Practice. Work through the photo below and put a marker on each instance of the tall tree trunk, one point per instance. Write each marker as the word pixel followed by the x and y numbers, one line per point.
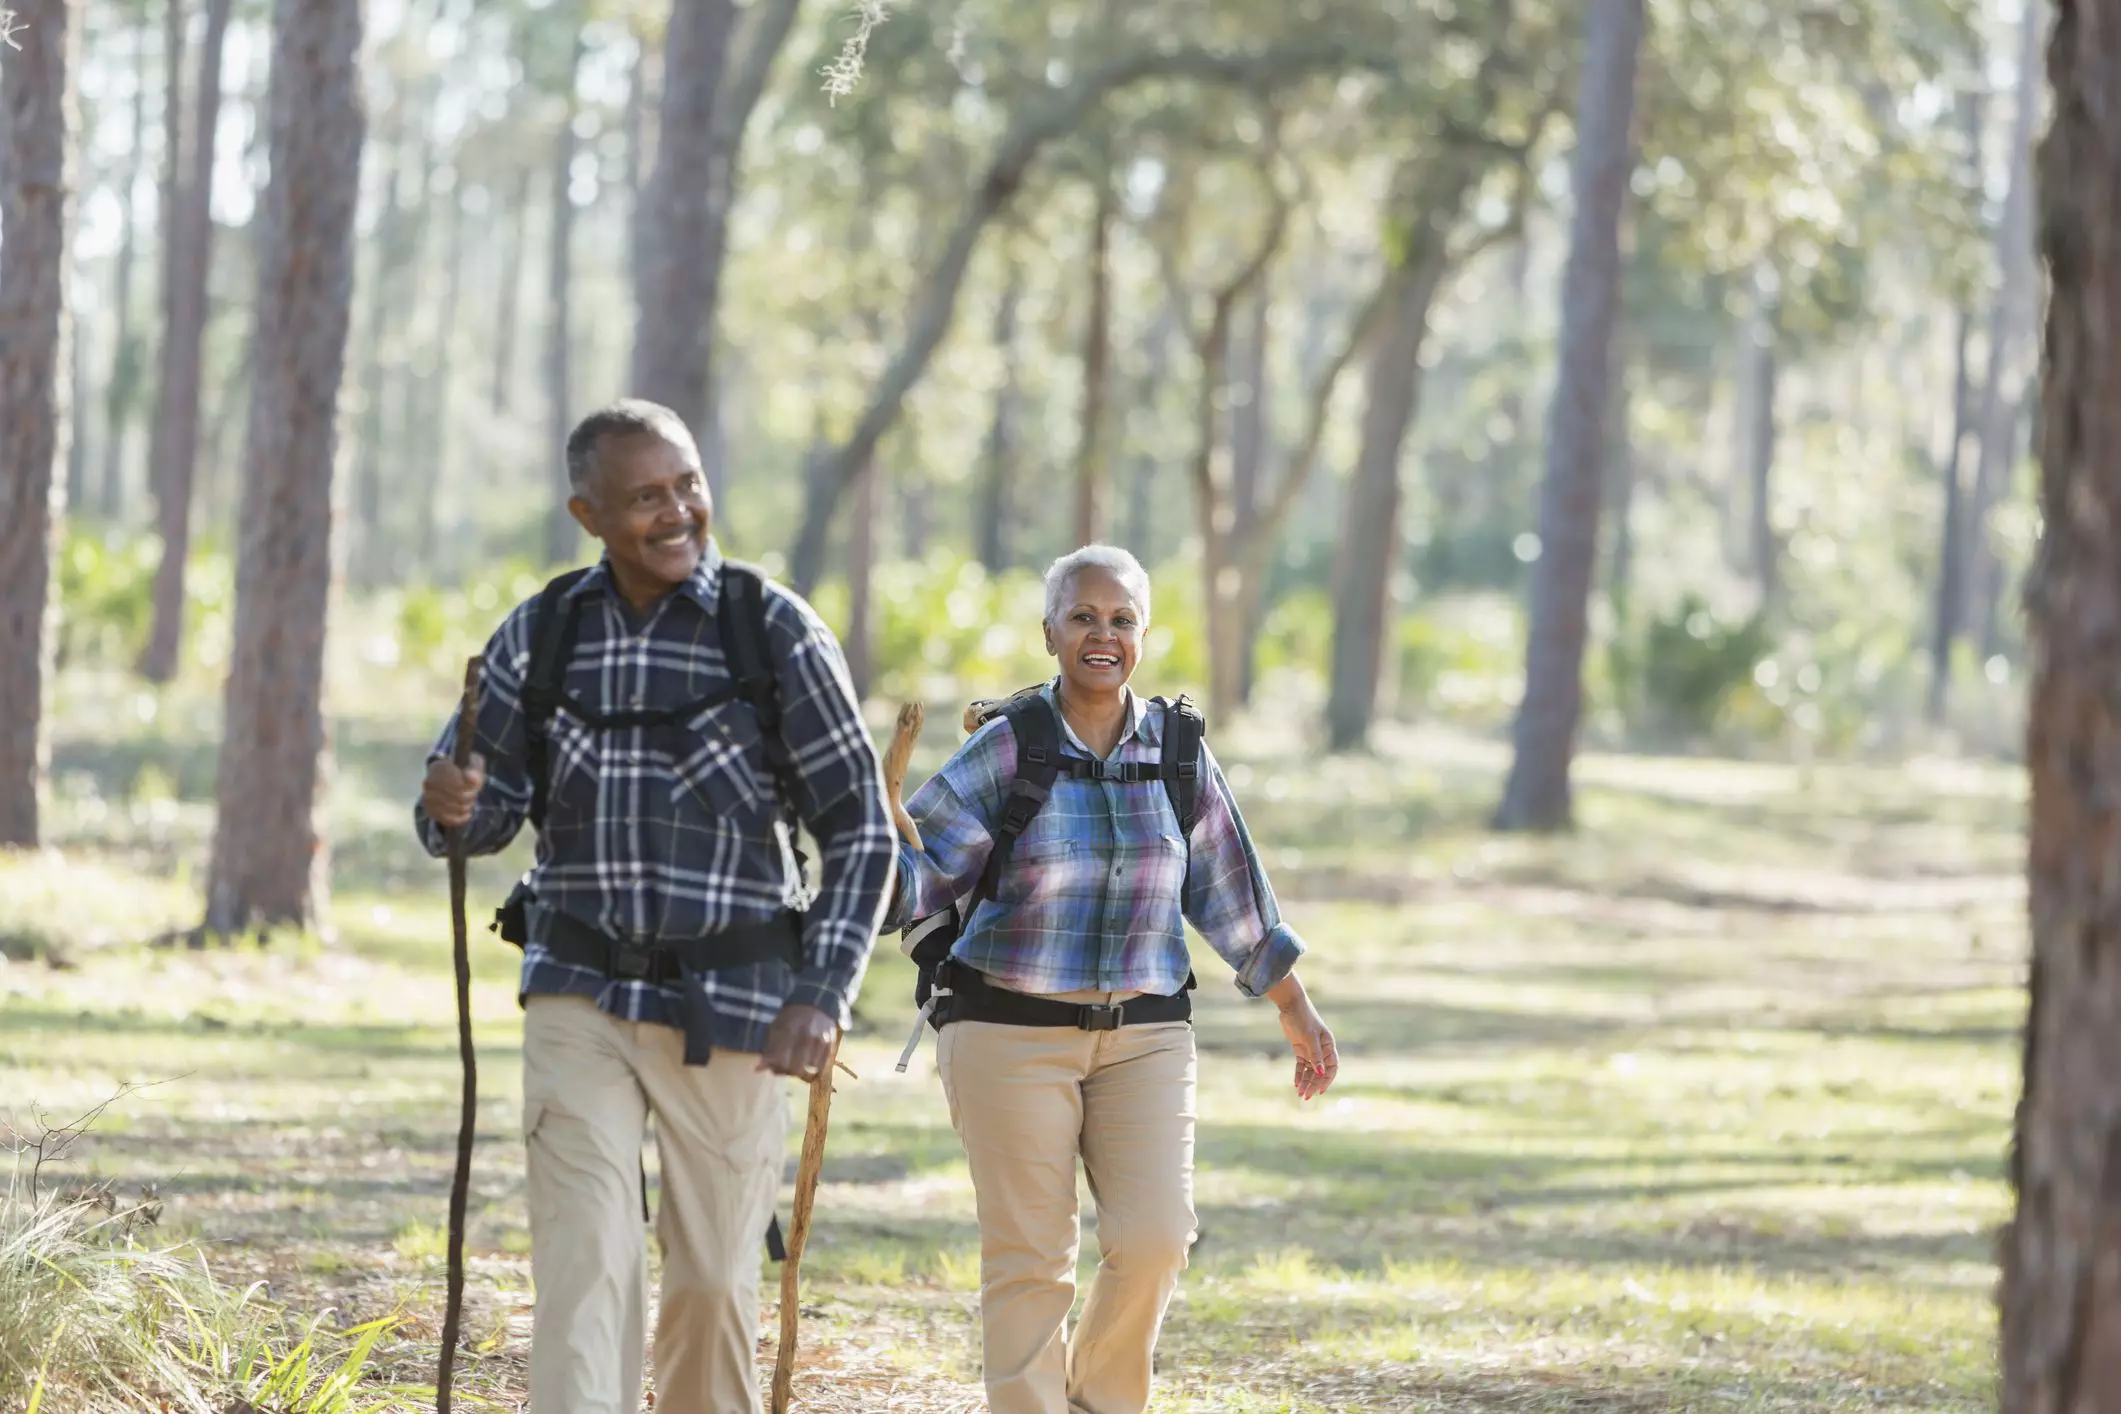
pixel 2012 320
pixel 176 441
pixel 998 455
pixel 269 856
pixel 861 582
pixel 36 177
pixel 515 237
pixel 1948 611
pixel 1620 466
pixel 678 275
pixel 1369 548
pixel 1949 607
pixel 128 358
pixel 1250 430
pixel 917 516
pixel 563 538
pixel 1756 402
pixel 1538 795
pixel 428 532
pixel 807 562
pixel 2060 1294
pixel 707 103
pixel 1090 449
pixel 367 537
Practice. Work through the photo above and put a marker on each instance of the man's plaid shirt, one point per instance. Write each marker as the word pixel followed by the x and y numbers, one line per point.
pixel 1099 883
pixel 648 848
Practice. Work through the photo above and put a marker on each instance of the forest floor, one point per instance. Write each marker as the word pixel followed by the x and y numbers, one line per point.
pixel 1703 1108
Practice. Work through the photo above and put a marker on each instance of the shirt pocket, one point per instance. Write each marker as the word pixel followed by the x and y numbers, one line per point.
pixel 718 760
pixel 571 772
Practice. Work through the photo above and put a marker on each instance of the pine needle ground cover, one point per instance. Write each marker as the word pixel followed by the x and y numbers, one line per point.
pixel 1702 1109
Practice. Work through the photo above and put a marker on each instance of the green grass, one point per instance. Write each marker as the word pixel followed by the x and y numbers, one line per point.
pixel 1702 1108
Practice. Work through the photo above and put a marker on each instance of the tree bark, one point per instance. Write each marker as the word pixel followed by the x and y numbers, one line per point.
pixel 998 455
pixel 36 179
pixel 861 582
pixel 680 242
pixel 1948 612
pixel 1620 454
pixel 269 856
pixel 1091 472
pixel 1369 548
pixel 1538 795
pixel 515 237
pixel 175 451
pixel 428 531
pixel 1250 429
pixel 563 538
pixel 128 358
pixel 1757 369
pixel 933 303
pixel 2012 320
pixel 2060 1293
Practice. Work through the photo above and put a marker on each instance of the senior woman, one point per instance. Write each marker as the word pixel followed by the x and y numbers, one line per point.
pixel 1064 1038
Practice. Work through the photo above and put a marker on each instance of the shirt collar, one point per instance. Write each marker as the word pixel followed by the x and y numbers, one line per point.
pixel 703 586
pixel 1139 720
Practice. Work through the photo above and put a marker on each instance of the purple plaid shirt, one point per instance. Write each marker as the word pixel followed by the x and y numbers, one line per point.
pixel 1101 885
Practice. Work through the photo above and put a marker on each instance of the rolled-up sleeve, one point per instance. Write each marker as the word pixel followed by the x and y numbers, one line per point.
pixel 504 803
pixel 839 792
pixel 1227 896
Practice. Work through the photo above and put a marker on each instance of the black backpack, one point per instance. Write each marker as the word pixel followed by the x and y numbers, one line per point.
pixel 740 619
pixel 1039 763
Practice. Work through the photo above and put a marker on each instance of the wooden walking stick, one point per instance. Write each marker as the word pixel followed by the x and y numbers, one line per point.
pixel 812 1164
pixel 467 1123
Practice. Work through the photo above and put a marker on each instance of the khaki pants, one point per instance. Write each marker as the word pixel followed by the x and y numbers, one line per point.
pixel 590 1082
pixel 1028 1101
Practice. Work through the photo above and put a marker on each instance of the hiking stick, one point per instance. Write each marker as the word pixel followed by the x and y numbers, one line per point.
pixel 467 1123
pixel 812 1164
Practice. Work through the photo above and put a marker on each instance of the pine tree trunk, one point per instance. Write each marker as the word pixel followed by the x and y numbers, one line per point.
pixel 1250 433
pixel 1538 795
pixel 1369 547
pixel 2012 321
pixel 861 581
pixel 269 856
pixel 998 455
pixel 515 237
pixel 429 531
pixel 122 393
pixel 36 177
pixel 366 536
pixel 2060 1295
pixel 1757 360
pixel 1620 465
pixel 176 440
pixel 1090 448
pixel 679 256
pixel 1949 605
pixel 563 538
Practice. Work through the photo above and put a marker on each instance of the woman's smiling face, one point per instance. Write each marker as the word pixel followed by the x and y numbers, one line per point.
pixel 1096 634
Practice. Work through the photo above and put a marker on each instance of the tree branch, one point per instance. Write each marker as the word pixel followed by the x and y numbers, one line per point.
pixel 1037 125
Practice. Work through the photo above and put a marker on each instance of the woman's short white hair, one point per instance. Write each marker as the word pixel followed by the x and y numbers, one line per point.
pixel 1122 566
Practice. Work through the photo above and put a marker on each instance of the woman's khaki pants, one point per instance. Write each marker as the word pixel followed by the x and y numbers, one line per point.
pixel 590 1082
pixel 1028 1102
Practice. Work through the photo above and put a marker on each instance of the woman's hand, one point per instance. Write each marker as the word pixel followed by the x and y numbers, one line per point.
pixel 1317 1062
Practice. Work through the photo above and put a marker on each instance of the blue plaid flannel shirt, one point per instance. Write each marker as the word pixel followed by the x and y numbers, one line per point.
pixel 1100 886
pixel 649 849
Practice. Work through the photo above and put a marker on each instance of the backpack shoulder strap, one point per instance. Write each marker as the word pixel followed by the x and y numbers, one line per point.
pixel 1185 729
pixel 741 619
pixel 1037 732
pixel 552 636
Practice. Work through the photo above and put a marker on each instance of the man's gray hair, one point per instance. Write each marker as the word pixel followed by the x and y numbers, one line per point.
pixel 628 417
pixel 1117 562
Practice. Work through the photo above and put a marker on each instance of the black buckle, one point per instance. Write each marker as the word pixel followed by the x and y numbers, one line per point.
pixel 630 964
pixel 1101 1018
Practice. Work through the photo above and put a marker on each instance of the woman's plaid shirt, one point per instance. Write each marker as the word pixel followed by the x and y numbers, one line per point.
pixel 1100 885
pixel 649 848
